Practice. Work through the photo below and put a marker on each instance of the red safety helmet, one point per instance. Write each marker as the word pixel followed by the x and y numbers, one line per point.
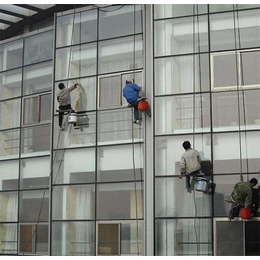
pixel 142 105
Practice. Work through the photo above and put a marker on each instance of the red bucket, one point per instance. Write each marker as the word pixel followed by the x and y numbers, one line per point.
pixel 245 213
pixel 143 105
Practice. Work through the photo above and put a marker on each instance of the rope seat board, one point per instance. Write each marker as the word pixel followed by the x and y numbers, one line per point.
pixel 136 102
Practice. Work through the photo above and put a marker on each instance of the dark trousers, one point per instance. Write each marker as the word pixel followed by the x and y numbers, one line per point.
pixel 61 114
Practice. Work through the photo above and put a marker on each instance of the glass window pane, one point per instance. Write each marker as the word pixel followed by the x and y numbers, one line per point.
pixel 9 143
pixel 9 181
pixel 227 158
pixel 121 54
pixel 225 70
pixel 10 113
pixel 226 111
pixel 222 32
pixel 120 201
pixel 71 166
pixel 73 202
pixel 84 29
pixel 34 173
pixel 116 163
pixel 45 108
pixel 177 10
pixel 37 78
pixel 176 74
pixel 115 22
pixel 73 238
pixel 8 233
pixel 179 114
pixel 34 205
pixel 115 125
pixel 176 36
pixel 250 62
pixel 171 195
pixel 38 48
pixel 185 237
pixel 35 140
pixel 168 151
pixel 71 138
pixel 10 84
pixel 31 110
pixel 9 206
pixel 75 62
pixel 11 55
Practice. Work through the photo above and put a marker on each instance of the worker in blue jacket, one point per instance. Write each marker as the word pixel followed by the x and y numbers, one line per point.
pixel 131 94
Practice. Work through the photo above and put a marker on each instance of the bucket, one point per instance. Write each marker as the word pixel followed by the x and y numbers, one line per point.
pixel 72 118
pixel 245 213
pixel 201 184
pixel 142 105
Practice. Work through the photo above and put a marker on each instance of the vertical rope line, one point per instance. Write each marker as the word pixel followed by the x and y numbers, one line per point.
pixel 238 99
pixel 242 91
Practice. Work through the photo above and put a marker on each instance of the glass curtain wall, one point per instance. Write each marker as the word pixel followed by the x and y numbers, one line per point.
pixel 25 101
pixel 97 181
pixel 206 74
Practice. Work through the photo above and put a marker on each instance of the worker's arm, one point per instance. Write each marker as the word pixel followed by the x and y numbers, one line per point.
pixel 136 87
pixel 73 87
pixel 248 200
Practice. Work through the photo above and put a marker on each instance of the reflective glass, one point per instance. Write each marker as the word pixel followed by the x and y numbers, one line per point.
pixel 11 55
pixel 45 108
pixel 37 78
pixel 70 137
pixel 73 238
pixel 38 48
pixel 9 143
pixel 115 21
pixel 10 84
pixel 34 205
pixel 76 28
pixel 182 114
pixel 176 36
pixel 34 173
pixel 8 234
pixel 9 175
pixel 71 166
pixel 116 125
pixel 124 201
pixel 185 237
pixel 75 62
pixel 227 106
pixel 168 151
pixel 115 163
pixel 177 10
pixel 10 113
pixel 9 206
pixel 31 110
pixel 121 54
pixel 73 202
pixel 171 195
pixel 176 74
pixel 230 7
pixel 240 154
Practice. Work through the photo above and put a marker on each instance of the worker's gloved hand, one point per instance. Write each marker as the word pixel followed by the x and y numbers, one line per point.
pixel 76 85
pixel 180 176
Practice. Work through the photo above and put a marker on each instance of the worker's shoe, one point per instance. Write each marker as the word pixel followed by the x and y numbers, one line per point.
pixel 61 128
pixel 136 121
pixel 76 127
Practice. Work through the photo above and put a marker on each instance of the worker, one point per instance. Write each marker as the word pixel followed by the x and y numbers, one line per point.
pixel 131 94
pixel 190 164
pixel 64 100
pixel 255 200
pixel 241 197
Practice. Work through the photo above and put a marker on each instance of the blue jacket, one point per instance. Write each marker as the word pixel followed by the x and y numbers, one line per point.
pixel 131 92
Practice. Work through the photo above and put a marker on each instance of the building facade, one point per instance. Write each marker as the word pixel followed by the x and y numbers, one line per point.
pixel 112 187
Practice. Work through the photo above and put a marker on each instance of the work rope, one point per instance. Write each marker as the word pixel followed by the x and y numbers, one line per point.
pixel 133 145
pixel 238 46
pixel 54 158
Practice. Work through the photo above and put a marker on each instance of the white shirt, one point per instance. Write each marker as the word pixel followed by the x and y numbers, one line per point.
pixel 190 161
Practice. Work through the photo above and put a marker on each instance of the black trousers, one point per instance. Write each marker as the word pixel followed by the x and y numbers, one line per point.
pixel 61 114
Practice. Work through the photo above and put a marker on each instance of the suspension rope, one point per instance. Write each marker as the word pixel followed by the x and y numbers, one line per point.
pixel 236 28
pixel 54 158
